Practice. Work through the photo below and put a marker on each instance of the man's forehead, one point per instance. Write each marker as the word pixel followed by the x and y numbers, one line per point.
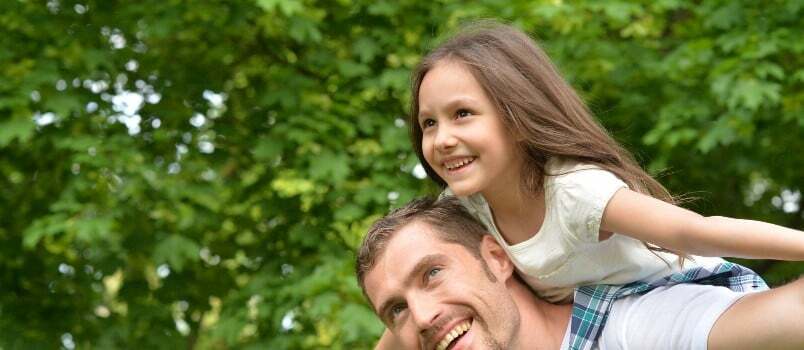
pixel 403 251
pixel 415 233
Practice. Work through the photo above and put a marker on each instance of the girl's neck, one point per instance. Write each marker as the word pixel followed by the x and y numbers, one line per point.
pixel 518 214
pixel 508 199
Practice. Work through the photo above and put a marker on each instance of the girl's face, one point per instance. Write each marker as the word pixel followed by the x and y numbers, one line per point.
pixel 463 137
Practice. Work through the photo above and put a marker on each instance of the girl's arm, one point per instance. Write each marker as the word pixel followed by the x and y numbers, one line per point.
pixel 671 227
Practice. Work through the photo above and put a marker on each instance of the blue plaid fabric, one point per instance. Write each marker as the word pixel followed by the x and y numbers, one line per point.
pixel 593 303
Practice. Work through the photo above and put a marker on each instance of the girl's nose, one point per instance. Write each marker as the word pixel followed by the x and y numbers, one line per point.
pixel 445 139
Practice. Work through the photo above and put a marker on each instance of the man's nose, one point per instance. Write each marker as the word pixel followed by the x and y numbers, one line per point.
pixel 425 311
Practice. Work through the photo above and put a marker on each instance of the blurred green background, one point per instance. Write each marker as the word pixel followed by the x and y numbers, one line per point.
pixel 198 174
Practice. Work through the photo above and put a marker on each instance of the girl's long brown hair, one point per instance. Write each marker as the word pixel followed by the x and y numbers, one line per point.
pixel 537 106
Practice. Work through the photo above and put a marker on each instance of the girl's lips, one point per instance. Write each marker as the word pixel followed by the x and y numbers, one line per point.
pixel 457 165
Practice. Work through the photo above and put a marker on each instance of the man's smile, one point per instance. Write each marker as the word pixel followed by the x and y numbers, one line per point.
pixel 451 338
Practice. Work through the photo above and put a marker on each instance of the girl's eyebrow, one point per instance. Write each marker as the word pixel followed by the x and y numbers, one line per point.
pixel 422 113
pixel 452 104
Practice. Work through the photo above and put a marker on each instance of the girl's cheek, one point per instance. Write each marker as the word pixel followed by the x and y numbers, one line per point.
pixel 427 149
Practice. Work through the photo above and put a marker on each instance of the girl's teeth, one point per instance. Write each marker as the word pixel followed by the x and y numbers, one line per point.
pixel 459 164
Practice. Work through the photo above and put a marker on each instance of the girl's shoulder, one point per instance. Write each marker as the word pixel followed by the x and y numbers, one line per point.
pixel 557 166
pixel 575 182
pixel 561 171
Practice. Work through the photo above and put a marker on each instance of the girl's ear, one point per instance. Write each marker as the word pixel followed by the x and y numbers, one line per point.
pixel 496 259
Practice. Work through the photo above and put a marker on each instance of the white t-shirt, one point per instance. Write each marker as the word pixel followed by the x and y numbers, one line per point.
pixel 565 252
pixel 677 317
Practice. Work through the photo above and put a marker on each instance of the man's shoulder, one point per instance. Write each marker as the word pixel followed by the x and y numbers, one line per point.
pixel 593 303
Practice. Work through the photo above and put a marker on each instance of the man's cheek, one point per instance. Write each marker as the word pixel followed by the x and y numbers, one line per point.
pixel 407 337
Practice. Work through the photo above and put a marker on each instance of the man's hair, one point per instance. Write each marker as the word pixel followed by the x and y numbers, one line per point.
pixel 446 217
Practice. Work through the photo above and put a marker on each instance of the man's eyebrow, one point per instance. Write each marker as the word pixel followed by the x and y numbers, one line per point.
pixel 416 271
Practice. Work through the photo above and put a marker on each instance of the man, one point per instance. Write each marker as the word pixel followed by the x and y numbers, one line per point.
pixel 438 282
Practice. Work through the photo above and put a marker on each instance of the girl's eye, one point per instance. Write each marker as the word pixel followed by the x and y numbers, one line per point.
pixel 427 123
pixel 463 113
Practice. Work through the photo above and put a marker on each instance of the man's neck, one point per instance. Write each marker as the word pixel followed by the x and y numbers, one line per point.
pixel 542 324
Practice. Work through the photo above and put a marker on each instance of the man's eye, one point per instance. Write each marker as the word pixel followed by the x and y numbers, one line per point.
pixel 433 272
pixel 463 113
pixel 397 309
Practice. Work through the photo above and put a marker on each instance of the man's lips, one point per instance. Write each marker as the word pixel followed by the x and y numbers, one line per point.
pixel 453 333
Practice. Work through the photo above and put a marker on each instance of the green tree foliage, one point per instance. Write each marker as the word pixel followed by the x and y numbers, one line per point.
pixel 197 174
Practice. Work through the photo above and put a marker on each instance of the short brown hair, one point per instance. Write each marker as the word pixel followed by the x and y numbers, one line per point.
pixel 446 216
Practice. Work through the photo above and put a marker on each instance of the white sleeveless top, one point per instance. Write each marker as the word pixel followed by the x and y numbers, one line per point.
pixel 566 253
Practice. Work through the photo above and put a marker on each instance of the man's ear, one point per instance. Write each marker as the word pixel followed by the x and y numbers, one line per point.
pixel 497 260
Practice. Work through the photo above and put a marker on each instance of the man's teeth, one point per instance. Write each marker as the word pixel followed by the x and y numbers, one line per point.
pixel 454 333
pixel 459 163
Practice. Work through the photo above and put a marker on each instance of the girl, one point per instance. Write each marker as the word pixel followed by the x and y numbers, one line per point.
pixel 493 121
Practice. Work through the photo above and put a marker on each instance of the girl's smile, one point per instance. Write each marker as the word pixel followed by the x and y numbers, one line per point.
pixel 458 165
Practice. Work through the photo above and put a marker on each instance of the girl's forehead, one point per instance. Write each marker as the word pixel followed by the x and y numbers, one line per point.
pixel 449 64
pixel 446 80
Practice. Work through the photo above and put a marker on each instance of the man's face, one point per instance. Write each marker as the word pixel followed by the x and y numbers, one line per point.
pixel 439 295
